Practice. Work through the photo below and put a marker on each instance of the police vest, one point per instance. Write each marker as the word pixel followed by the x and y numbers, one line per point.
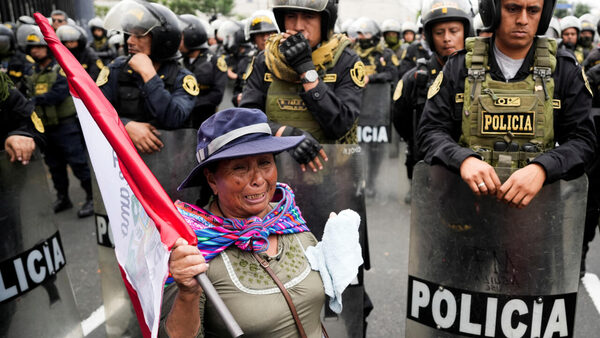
pixel 285 106
pixel 40 84
pixel 508 123
pixel 130 101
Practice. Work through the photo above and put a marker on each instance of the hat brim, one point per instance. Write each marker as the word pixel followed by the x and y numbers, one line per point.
pixel 269 144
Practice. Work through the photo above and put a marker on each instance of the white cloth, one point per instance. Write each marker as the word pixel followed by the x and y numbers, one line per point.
pixel 508 65
pixel 337 256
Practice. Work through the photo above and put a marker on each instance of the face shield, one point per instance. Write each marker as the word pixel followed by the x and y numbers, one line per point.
pixel 131 17
pixel 68 33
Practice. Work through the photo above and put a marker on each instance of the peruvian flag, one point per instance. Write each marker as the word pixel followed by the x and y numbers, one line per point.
pixel 145 223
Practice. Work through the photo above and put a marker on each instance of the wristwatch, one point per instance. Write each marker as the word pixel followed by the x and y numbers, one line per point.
pixel 310 76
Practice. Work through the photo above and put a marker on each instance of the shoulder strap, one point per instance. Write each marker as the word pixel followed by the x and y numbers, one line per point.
pixel 544 63
pixel 476 62
pixel 286 295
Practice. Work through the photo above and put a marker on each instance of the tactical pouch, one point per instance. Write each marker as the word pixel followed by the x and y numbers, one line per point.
pixel 48 115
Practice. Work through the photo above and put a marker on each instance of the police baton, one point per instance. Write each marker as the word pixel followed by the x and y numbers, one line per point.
pixel 213 296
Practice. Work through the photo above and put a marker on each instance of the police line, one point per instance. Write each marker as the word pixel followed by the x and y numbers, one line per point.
pixel 27 270
pixel 491 315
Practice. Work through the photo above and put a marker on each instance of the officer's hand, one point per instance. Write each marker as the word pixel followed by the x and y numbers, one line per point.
pixel 185 262
pixel 522 186
pixel 366 79
pixel 308 151
pixel 144 136
pixel 142 64
pixel 231 74
pixel 479 176
pixel 297 53
pixel 19 148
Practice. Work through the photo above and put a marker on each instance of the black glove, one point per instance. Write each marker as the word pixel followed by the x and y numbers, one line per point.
pixel 297 53
pixel 306 150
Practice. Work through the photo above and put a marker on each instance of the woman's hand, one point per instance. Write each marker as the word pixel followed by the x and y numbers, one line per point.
pixel 185 262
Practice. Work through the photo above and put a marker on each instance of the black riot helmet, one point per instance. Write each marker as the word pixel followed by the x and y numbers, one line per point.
pixel 435 11
pixel 194 33
pixel 142 18
pixel 8 42
pixel 327 8
pixel 261 22
pixel 490 15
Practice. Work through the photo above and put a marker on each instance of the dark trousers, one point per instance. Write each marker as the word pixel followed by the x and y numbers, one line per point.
pixel 66 146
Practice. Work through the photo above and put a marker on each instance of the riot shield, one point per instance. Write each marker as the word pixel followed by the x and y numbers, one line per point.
pixel 478 267
pixel 36 297
pixel 375 120
pixel 337 187
pixel 170 166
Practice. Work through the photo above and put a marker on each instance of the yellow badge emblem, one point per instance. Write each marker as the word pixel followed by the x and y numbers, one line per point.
pixel 29 59
pixel 248 70
pixel 435 87
pixel 99 64
pixel 37 122
pixel 102 78
pixel 395 60
pixel 190 85
pixel 398 91
pixel 358 74
pixel 41 88
pixel 221 63
pixel 403 54
pixel 587 83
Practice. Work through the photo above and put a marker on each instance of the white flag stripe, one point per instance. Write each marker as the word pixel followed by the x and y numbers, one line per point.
pixel 138 246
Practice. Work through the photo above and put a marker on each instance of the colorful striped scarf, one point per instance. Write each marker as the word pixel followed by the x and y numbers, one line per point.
pixel 215 234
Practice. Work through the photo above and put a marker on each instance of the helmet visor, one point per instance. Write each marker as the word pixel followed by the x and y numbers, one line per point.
pixel 442 7
pixel 68 33
pixel 310 5
pixel 130 17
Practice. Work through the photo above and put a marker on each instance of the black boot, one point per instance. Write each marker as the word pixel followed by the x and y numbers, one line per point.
pixel 87 209
pixel 62 203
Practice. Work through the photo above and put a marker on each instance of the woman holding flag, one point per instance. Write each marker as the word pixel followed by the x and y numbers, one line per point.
pixel 252 233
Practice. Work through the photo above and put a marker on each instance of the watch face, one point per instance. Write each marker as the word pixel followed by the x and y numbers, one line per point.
pixel 311 76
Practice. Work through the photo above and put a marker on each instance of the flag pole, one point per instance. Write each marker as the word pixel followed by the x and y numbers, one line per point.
pixel 107 120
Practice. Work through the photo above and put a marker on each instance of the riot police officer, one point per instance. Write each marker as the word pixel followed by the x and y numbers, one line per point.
pixel 570 29
pixel 149 89
pixel 414 50
pixel 50 94
pixel 445 29
pixel 203 64
pixel 260 26
pixel 391 35
pixel 593 57
pixel 319 97
pixel 13 61
pixel 586 36
pixel 100 44
pixel 73 37
pixel 506 101
pixel 380 62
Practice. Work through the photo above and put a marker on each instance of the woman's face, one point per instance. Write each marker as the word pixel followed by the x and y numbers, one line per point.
pixel 244 186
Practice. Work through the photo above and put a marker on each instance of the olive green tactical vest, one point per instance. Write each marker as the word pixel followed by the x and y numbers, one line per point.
pixel 285 106
pixel 41 83
pixel 508 123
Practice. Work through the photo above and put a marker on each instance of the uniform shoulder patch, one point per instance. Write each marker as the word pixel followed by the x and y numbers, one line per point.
pixel 248 70
pixel 62 73
pixel 37 122
pixel 99 64
pixel 395 60
pixel 403 53
pixel 358 74
pixel 190 85
pixel 435 87
pixel 102 78
pixel 587 83
pixel 398 91
pixel 221 63
pixel 29 59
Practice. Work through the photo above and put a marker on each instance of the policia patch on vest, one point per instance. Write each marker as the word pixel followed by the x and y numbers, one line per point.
pixel 398 91
pixel 190 85
pixel 358 73
pixel 501 123
pixel 37 122
pixel 587 83
pixel 435 86
pixel 221 63
pixel 102 78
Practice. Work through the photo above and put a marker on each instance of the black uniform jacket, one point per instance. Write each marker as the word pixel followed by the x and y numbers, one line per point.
pixel 440 125
pixel 415 51
pixel 170 110
pixel 15 118
pixel 592 59
pixel 334 105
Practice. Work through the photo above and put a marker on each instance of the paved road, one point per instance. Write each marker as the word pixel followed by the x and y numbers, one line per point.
pixel 388 219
